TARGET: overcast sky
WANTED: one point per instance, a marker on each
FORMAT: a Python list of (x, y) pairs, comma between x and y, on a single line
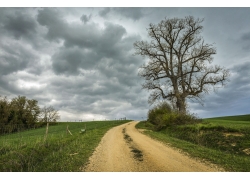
[(80, 60)]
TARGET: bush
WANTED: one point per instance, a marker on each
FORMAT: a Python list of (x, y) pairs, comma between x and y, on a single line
[(156, 114), (163, 116)]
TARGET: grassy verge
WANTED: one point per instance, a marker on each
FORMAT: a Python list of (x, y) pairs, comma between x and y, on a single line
[(221, 142), (60, 152)]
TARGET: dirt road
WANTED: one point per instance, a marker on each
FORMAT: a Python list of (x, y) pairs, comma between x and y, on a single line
[(125, 149)]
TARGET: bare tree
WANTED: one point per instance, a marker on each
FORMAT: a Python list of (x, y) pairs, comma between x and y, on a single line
[(179, 62), (49, 114)]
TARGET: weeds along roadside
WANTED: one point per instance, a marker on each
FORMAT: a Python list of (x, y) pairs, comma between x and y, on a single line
[(60, 152), (222, 142)]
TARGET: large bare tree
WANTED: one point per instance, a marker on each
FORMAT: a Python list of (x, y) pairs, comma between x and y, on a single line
[(179, 65)]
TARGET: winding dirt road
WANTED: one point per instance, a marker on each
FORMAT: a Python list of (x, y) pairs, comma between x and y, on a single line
[(125, 149)]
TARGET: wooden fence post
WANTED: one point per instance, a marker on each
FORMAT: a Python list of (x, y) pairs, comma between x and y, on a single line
[(47, 130), (68, 130)]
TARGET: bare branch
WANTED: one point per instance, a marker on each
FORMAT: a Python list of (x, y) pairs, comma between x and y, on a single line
[(179, 60)]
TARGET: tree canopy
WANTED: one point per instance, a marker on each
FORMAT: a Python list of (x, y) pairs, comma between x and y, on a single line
[(179, 64)]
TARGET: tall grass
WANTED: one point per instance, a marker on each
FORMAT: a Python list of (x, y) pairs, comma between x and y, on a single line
[(29, 151)]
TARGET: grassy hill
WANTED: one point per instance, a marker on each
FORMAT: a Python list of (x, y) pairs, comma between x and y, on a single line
[(232, 118), (221, 140), (30, 151), (235, 122)]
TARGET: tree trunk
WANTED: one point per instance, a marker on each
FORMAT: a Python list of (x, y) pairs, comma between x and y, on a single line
[(180, 98), (181, 105)]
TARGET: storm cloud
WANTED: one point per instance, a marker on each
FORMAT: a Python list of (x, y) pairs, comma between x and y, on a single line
[(81, 60)]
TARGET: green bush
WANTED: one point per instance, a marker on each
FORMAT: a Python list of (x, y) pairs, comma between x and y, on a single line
[(163, 115)]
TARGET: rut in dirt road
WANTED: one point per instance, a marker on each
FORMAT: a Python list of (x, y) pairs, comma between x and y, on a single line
[(125, 149)]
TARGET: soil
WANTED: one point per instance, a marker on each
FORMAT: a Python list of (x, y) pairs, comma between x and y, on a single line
[(125, 149)]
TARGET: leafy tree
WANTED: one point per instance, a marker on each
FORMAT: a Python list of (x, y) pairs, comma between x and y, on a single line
[(26, 110), (179, 62), (33, 111), (4, 110), (4, 114)]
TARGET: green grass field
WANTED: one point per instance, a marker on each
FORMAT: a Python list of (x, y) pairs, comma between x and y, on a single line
[(29, 151), (235, 122), (224, 141)]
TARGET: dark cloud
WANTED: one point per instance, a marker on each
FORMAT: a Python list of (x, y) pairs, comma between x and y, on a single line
[(85, 36), (246, 36), (85, 49), (134, 13), (84, 18), (104, 12), (52, 19), (19, 24), (14, 58), (70, 60)]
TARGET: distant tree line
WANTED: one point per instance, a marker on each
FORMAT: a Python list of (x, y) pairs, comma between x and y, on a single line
[(22, 113)]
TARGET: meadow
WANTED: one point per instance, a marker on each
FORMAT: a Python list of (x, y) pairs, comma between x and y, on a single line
[(59, 151), (224, 141), (234, 122)]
